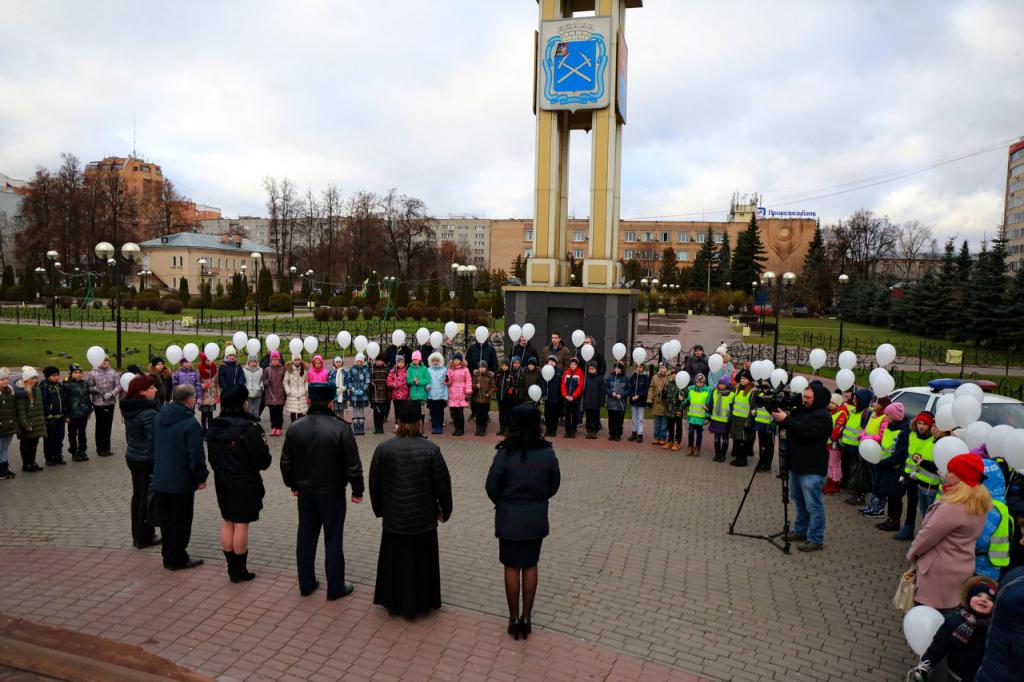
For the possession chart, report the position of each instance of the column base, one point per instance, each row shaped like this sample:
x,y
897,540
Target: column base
x,y
545,272
602,273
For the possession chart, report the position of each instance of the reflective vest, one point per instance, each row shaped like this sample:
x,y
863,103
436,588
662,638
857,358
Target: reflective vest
x,y
854,427
698,403
741,404
720,404
874,426
999,542
889,442
923,447
762,416
835,419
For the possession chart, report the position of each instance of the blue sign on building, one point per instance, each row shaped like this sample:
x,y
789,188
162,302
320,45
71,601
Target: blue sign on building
x,y
574,64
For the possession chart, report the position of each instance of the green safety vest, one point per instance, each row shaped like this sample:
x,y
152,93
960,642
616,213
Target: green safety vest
x,y
741,404
762,416
854,427
698,403
889,442
835,418
720,405
923,447
874,426
999,542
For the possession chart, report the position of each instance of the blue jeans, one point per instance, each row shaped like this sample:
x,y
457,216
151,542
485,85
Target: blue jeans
x,y
660,427
5,444
925,498
805,490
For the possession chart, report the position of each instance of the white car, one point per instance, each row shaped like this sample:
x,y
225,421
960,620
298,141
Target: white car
x,y
995,409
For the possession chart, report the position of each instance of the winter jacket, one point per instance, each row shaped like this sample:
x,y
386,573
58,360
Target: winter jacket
x,y
317,372
31,420
593,391
1004,653
654,392
552,389
598,359
520,489
505,385
138,415
572,384
357,384
253,380
273,385
410,485
483,386
379,390
179,459
525,351
527,379
397,383
208,377
460,387
943,550
961,641
103,386
807,433
191,377
297,391
693,366
336,378
617,390
238,453
478,353
561,352
419,381
162,380
229,374
8,413
672,399
392,353
437,389
320,455
54,403
639,383
79,402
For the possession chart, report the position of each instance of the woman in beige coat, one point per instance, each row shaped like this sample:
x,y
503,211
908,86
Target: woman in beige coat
x,y
296,389
943,550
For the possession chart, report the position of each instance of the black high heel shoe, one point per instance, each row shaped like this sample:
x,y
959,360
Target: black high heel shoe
x,y
525,628
513,628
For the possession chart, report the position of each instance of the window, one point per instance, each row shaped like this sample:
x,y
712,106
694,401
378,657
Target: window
x,y
682,255
648,236
718,236
1014,202
1017,155
528,253
627,254
666,236
174,282
528,235
479,252
1015,218
578,236
577,253
700,237
630,237
1019,184
684,237
912,402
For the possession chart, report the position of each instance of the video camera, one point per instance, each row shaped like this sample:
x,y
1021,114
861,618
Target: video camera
x,y
772,399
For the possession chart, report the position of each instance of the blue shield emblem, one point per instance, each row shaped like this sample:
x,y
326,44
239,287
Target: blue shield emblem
x,y
574,70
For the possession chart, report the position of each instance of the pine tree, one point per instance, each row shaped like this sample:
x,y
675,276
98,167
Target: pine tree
x,y
372,290
306,288
421,292
963,262
483,280
220,289
725,262
402,294
749,257
497,305
989,287
519,268
205,293
668,274
1013,334
434,290
265,284
703,261
346,294
183,293
940,313
815,283
8,278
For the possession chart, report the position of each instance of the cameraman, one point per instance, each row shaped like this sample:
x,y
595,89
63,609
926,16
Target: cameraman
x,y
807,430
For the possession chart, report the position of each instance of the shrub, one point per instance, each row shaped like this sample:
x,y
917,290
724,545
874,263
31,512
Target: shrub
x,y
96,305
367,313
335,301
279,303
352,312
222,303
65,302
149,293
128,303
416,311
432,312
478,316
403,312
172,306
321,313
337,313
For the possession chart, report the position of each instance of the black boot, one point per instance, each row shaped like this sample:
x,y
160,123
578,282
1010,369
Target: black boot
x,y
739,462
241,572
5,471
640,438
229,557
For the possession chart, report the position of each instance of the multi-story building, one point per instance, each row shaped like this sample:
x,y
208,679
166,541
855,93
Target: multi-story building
x,y
173,257
250,227
472,236
1013,213
12,193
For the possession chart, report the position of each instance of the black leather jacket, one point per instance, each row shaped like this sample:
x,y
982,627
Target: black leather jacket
x,y
410,485
320,455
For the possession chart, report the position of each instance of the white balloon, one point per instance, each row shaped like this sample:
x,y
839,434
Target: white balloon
x,y
190,351
1013,449
972,390
870,451
966,410
587,352
944,399
126,379
578,337
885,354
422,335
238,339
514,332
845,379
344,339
778,377
436,339
876,372
295,346
451,329
535,393
619,351
919,627
947,448
96,355
997,439
883,384
359,343
211,351
398,337
847,359
548,372
944,419
173,354
273,342
767,367
481,334
976,434
798,384
372,350
310,343
639,355
252,346
682,379
817,358
715,362
529,330
670,349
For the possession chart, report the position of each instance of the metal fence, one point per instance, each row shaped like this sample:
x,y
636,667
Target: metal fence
x,y
934,352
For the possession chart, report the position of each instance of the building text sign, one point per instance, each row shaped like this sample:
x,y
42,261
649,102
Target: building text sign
x,y
573,68
763,212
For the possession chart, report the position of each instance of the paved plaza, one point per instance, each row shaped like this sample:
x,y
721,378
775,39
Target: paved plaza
x,y
638,568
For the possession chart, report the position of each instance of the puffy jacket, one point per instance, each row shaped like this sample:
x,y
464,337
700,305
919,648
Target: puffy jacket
x,y
208,377
336,378
520,490
103,386
525,351
229,373
437,389
54,407
320,455
1004,652
79,402
31,420
478,353
572,384
807,433
505,384
410,485
379,390
397,385
527,379
179,459
638,385
460,387
238,453
552,389
138,415
483,386
273,385
296,389
191,377
253,380
419,381
357,383
8,413
593,391
694,366
317,372
617,390
672,398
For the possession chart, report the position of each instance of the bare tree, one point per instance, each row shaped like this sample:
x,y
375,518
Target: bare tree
x,y
362,225
857,244
331,219
912,240
274,219
6,238
408,231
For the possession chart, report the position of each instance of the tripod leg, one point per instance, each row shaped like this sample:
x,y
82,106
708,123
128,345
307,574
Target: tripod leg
x,y
746,491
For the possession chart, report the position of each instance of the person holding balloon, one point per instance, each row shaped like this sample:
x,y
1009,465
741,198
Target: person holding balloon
x,y
721,408
593,399
894,446
673,398
210,395
104,388
639,385
483,391
380,394
617,390
741,420
698,399
572,394
482,349
296,389
230,372
550,381
460,391
186,374
274,395
655,392
437,393
357,385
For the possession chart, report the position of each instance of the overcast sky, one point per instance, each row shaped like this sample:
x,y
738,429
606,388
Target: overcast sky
x,y
790,99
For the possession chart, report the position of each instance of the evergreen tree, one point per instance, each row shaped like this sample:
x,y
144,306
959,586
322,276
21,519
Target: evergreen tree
x,y
402,294
725,262
940,312
963,262
346,294
668,274
421,292
307,290
632,271
220,289
205,293
1013,334
814,286
467,298
29,284
988,287
703,261
372,290
183,293
497,305
434,290
749,257
519,268
8,278
265,282
483,280
244,292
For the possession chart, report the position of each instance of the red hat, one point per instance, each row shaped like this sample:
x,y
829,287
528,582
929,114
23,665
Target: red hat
x,y
925,417
968,467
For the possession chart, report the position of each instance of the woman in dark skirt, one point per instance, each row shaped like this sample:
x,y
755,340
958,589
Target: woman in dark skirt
x,y
238,453
410,489
523,477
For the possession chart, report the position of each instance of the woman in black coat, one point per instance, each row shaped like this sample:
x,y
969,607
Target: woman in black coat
x,y
411,490
238,453
138,409
523,477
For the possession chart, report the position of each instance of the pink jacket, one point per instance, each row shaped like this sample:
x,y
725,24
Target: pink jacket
x,y
460,387
944,553
397,383
314,375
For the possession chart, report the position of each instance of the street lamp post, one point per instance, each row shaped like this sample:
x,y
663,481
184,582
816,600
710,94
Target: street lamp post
x,y
291,286
52,257
129,253
257,259
844,279
649,285
788,280
143,274
465,273
245,293
202,289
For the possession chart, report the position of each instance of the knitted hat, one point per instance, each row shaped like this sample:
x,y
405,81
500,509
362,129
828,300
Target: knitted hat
x,y
296,357
700,377
516,358
155,360
925,417
574,361
974,586
337,358
360,357
133,369
968,468
435,356
49,371
592,364
416,355
531,361
457,356
4,372
233,397
29,373
74,367
320,392
836,399
895,411
725,381
275,355
230,350
484,365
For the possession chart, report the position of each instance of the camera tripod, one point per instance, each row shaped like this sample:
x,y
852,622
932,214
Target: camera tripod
x,y
779,540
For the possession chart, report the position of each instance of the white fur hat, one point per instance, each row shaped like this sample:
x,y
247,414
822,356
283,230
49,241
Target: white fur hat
x,y
436,356
29,373
4,372
360,357
230,350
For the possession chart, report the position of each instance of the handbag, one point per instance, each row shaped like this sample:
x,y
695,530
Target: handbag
x,y
904,597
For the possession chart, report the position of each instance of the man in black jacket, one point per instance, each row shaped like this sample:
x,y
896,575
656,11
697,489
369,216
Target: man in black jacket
x,y
319,458
807,430
697,362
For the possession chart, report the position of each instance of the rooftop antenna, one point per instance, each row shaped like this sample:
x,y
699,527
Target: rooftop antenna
x,y
133,137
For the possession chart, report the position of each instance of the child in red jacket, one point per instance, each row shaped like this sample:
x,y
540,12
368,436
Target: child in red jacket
x,y
572,392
